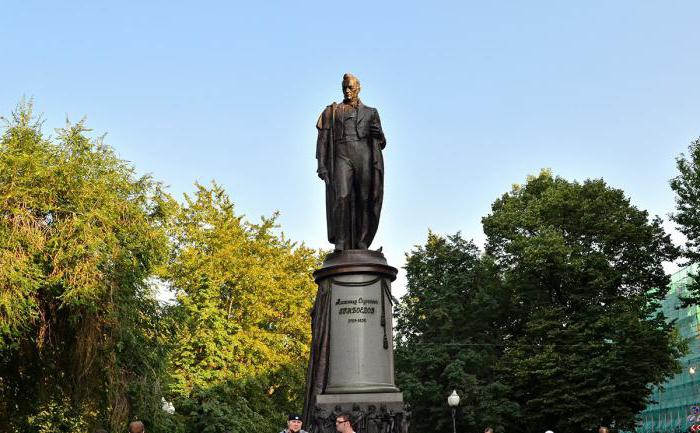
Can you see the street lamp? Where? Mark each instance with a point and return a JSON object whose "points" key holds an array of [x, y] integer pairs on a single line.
{"points": [[453, 401]]}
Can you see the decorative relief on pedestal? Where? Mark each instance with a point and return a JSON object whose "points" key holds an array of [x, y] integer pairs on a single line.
{"points": [[367, 418]]}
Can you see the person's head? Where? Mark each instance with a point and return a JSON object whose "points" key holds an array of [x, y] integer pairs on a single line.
{"points": [[488, 429], [351, 87], [136, 427], [343, 423], [100, 430], [602, 429], [294, 422]]}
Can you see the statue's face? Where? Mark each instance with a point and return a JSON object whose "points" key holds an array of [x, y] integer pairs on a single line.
{"points": [[351, 89]]}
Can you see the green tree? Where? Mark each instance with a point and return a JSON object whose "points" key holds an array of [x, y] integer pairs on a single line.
{"points": [[449, 335], [80, 235], [584, 268], [244, 295], [686, 185]]}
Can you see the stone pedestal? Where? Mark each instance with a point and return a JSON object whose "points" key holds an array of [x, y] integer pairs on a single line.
{"points": [[360, 378]]}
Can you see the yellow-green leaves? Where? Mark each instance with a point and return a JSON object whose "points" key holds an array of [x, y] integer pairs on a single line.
{"points": [[245, 293], [78, 241]]}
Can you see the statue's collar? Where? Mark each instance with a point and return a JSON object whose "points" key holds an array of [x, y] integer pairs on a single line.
{"points": [[357, 104]]}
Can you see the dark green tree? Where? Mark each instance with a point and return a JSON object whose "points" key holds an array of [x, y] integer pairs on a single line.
{"points": [[686, 185], [80, 236], [449, 336], [584, 268]]}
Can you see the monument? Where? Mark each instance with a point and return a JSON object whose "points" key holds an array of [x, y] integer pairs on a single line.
{"points": [[351, 368]]}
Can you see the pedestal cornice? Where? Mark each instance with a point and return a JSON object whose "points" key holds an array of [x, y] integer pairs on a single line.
{"points": [[354, 262]]}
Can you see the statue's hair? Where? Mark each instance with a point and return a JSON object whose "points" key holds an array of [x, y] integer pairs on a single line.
{"points": [[348, 76]]}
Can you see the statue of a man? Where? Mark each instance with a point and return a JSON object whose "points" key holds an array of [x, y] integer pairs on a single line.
{"points": [[349, 154]]}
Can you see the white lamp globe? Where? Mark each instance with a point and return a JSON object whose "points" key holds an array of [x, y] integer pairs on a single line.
{"points": [[453, 399]]}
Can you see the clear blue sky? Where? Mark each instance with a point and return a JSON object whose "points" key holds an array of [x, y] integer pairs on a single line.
{"points": [[474, 96]]}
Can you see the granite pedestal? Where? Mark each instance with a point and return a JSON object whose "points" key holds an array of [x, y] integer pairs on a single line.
{"points": [[360, 375]]}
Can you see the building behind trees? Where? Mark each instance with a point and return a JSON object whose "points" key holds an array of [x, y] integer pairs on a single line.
{"points": [[675, 406]]}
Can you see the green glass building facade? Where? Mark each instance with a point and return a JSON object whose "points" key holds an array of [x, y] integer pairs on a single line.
{"points": [[675, 407]]}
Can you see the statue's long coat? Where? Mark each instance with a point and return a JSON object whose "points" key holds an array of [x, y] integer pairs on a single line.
{"points": [[368, 127]]}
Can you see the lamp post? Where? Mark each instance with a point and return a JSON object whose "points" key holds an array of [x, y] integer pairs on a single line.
{"points": [[692, 370], [453, 402]]}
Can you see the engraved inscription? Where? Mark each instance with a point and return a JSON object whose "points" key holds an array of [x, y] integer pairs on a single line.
{"points": [[356, 310], [354, 306], [356, 301]]}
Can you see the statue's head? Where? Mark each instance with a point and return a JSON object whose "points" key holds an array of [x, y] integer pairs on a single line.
{"points": [[351, 88]]}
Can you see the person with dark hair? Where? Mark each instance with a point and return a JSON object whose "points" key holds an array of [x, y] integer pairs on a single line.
{"points": [[343, 423], [136, 427], [488, 429], [293, 424], [603, 429]]}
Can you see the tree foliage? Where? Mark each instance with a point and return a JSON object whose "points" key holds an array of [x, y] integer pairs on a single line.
{"points": [[449, 334], [584, 267], [80, 234], [84, 245], [244, 296], [556, 326], [686, 186]]}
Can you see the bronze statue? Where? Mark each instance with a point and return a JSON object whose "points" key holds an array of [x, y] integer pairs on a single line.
{"points": [[349, 154]]}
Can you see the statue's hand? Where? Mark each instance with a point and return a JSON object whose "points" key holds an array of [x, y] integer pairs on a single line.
{"points": [[323, 174]]}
